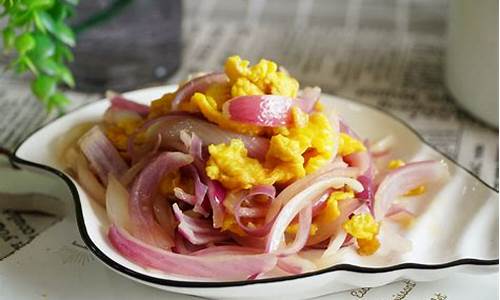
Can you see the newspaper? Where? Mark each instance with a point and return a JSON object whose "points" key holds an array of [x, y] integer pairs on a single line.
{"points": [[388, 53]]}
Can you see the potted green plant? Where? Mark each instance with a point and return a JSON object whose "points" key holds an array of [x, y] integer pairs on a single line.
{"points": [[93, 45]]}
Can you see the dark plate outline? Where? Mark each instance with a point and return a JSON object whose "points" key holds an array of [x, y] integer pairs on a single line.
{"points": [[201, 284]]}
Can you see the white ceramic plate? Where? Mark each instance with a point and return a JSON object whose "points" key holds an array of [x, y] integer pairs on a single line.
{"points": [[458, 231]]}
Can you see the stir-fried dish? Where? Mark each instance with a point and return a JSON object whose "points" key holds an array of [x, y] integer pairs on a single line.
{"points": [[238, 175]]}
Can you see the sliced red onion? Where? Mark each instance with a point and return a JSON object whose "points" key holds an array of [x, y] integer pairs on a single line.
{"points": [[347, 130], [320, 203], [170, 126], [335, 243], [216, 195], [305, 219], [146, 150], [264, 110], [328, 171], [119, 102], [180, 246], [309, 97], [232, 198], [362, 209], [403, 179], [250, 241], [253, 212], [197, 231], [346, 207], [226, 250], [367, 193], [118, 116], [117, 203], [299, 202], [363, 161], [144, 225], [200, 191], [186, 197], [101, 154], [88, 181], [400, 215], [396, 209], [262, 190], [294, 264], [193, 144], [383, 146], [129, 176], [164, 216], [197, 85], [223, 267], [183, 246]]}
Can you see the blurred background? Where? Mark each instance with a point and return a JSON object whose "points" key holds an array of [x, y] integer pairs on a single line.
{"points": [[389, 53]]}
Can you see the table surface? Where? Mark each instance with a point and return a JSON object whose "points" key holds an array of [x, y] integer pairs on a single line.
{"points": [[387, 53]]}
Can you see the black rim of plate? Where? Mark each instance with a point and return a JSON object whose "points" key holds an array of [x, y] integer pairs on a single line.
{"points": [[204, 284]]}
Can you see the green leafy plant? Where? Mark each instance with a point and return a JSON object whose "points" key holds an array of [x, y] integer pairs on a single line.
{"points": [[36, 31]]}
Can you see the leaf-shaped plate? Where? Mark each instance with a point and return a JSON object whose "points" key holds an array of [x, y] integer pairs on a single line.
{"points": [[457, 230]]}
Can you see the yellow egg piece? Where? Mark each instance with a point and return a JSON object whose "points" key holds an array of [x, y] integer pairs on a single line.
{"points": [[230, 224], [395, 163], [231, 165], [367, 247], [294, 228], [331, 210], [362, 226], [349, 145]]}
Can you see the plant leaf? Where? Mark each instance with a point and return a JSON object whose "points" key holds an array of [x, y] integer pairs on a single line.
{"points": [[59, 99], [9, 38], [29, 63], [58, 11], [64, 34], [24, 43], [38, 22], [40, 4], [44, 86], [66, 75], [64, 52], [47, 21], [21, 18], [44, 46], [47, 65]]}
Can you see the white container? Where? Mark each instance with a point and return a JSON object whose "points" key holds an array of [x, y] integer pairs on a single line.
{"points": [[472, 57]]}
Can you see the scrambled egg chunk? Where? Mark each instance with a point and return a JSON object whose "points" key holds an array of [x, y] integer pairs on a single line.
{"points": [[349, 145], [315, 137], [362, 226], [119, 131], [331, 211], [262, 78], [294, 228], [365, 229], [395, 163], [231, 165], [285, 160], [230, 224], [368, 247]]}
